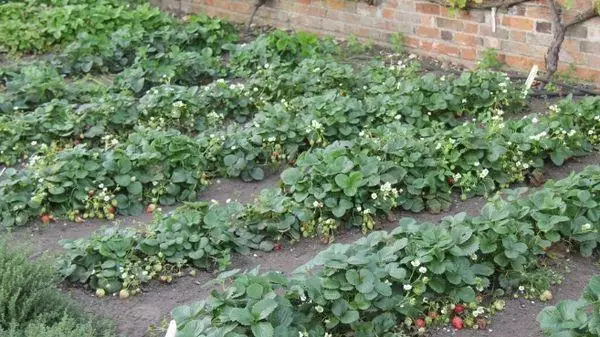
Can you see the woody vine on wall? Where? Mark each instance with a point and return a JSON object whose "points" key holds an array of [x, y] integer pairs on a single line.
{"points": [[562, 19]]}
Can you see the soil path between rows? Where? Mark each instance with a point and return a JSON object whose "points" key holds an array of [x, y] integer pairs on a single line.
{"points": [[133, 316]]}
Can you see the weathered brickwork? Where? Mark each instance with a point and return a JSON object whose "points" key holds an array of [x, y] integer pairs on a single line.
{"points": [[522, 33]]}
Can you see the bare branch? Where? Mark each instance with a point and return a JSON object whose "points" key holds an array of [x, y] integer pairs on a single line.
{"points": [[558, 30], [581, 17], [257, 5], [482, 5]]}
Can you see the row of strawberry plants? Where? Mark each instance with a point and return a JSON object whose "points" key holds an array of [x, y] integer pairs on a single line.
{"points": [[35, 26], [351, 183], [393, 94], [576, 318], [277, 134], [417, 168], [418, 275], [62, 123]]}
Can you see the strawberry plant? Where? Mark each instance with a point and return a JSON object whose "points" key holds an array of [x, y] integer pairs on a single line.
{"points": [[31, 26], [195, 234], [572, 317], [378, 285]]}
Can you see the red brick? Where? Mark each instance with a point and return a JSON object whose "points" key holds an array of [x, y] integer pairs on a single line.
{"points": [[427, 20], [467, 40], [543, 27], [471, 28], [389, 13], [427, 8], [521, 62], [447, 35], [593, 61], [468, 54], [239, 7], [432, 33], [590, 47], [336, 4], [445, 49], [538, 12], [472, 15], [449, 24], [587, 74], [517, 22], [517, 35]]}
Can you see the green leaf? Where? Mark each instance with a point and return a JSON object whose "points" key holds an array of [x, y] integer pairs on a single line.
{"points": [[241, 315], [179, 176], [349, 316], [367, 281], [254, 290], [349, 183], [290, 176], [257, 173], [352, 277], [513, 249], [591, 292], [135, 188], [123, 180], [263, 308], [263, 329], [466, 294]]}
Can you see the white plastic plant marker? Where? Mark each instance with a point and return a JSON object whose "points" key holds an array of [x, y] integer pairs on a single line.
{"points": [[493, 19], [172, 330], [531, 77]]}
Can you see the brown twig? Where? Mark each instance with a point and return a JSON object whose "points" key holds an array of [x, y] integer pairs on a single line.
{"points": [[559, 29], [482, 4], [257, 5]]}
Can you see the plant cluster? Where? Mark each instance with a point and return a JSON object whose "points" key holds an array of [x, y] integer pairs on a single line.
{"points": [[415, 168], [280, 129], [31, 305], [577, 318], [121, 260], [38, 26], [418, 275]]}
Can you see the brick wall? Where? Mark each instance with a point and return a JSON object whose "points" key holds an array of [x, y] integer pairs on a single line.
{"points": [[521, 37]]}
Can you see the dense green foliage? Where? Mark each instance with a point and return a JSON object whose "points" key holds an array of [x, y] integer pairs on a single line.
{"points": [[135, 109], [350, 182], [369, 286], [38, 26], [290, 116], [31, 305]]}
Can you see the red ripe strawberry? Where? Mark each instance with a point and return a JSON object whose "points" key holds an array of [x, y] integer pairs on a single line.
{"points": [[433, 314], [150, 208], [450, 181], [420, 323], [278, 247], [459, 308], [46, 218], [457, 323]]}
